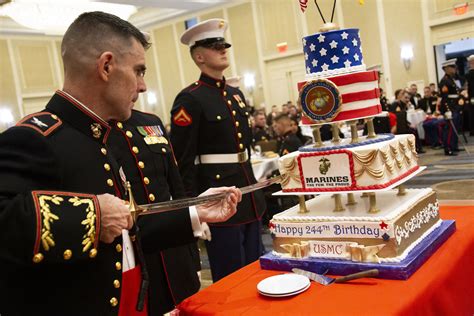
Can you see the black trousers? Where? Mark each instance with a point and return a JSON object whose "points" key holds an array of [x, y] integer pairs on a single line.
{"points": [[233, 247]]}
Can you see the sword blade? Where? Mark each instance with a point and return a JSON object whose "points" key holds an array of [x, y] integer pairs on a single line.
{"points": [[161, 207]]}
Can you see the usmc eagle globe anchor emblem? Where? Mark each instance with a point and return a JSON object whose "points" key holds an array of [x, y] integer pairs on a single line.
{"points": [[320, 100]]}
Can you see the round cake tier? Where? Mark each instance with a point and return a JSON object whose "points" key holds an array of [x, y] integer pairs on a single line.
{"points": [[360, 98], [333, 52]]}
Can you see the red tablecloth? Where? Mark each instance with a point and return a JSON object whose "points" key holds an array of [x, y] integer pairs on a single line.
{"points": [[444, 285]]}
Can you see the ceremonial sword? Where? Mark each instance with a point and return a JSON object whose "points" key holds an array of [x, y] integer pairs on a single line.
{"points": [[167, 206]]}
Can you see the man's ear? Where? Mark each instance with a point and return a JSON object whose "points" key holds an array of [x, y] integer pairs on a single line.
{"points": [[105, 65], [198, 57]]}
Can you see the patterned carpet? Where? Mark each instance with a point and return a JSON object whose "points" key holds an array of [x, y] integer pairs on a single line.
{"points": [[451, 176]]}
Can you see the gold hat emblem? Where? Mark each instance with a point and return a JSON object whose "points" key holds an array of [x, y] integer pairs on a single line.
{"points": [[96, 130], [221, 24]]}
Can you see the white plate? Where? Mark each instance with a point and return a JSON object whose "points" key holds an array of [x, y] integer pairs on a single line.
{"points": [[287, 294], [283, 284]]}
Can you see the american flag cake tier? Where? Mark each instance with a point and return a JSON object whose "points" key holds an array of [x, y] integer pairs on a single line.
{"points": [[337, 86]]}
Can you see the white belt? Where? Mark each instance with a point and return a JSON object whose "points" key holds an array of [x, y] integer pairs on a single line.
{"points": [[222, 158], [453, 96]]}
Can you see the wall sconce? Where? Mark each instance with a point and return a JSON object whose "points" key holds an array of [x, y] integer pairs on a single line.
{"points": [[249, 82], [406, 53], [6, 117]]}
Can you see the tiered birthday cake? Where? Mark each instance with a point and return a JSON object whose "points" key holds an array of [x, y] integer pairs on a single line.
{"points": [[363, 217]]}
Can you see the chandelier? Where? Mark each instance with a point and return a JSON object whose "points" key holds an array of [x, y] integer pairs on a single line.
{"points": [[54, 16]]}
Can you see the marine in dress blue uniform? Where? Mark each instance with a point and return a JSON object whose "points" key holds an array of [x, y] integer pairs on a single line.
{"points": [[450, 107], [53, 164], [142, 149], [211, 136]]}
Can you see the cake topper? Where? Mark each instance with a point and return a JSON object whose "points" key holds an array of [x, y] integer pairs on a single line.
{"points": [[327, 26]]}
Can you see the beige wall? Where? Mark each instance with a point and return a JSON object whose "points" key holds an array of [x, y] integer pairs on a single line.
{"points": [[31, 67], [410, 32]]}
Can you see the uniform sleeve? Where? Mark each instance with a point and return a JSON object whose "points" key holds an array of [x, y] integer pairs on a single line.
{"points": [[39, 224], [185, 117]]}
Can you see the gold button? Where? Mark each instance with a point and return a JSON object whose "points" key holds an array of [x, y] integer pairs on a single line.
{"points": [[233, 112], [241, 146], [218, 176], [219, 117], [196, 83], [116, 284], [129, 134], [119, 125], [146, 180], [67, 254], [113, 301], [107, 166], [118, 248], [163, 150], [229, 102], [239, 135], [104, 151], [54, 116], [218, 84], [92, 253], [38, 258], [247, 113], [224, 93], [110, 182], [237, 124], [141, 164], [135, 149], [118, 265], [151, 197]]}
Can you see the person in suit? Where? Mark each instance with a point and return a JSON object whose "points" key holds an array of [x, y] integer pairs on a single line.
{"points": [[415, 97], [66, 248], [211, 136]]}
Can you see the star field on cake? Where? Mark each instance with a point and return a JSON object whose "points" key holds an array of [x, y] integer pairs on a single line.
{"points": [[333, 50]]}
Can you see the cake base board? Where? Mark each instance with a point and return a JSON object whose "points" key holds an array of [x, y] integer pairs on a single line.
{"points": [[390, 187], [397, 271]]}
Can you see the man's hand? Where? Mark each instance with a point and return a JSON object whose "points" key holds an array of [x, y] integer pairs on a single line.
{"points": [[114, 216], [206, 232], [219, 211]]}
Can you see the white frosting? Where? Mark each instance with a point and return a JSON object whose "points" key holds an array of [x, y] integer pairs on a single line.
{"points": [[392, 207], [415, 222], [358, 87], [332, 72], [413, 244]]}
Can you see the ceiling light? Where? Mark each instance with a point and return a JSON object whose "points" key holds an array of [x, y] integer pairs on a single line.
{"points": [[54, 16]]}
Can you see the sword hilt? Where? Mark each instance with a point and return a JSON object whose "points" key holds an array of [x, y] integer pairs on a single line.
{"points": [[132, 206]]}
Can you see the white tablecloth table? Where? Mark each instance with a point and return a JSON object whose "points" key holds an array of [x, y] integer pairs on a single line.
{"points": [[416, 119], [263, 167]]}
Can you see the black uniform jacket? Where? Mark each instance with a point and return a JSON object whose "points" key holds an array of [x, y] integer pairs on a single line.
{"points": [[210, 117], [447, 87], [51, 260], [143, 151], [290, 143], [428, 103], [260, 134]]}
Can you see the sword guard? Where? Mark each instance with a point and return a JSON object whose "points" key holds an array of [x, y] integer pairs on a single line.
{"points": [[132, 206]]}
